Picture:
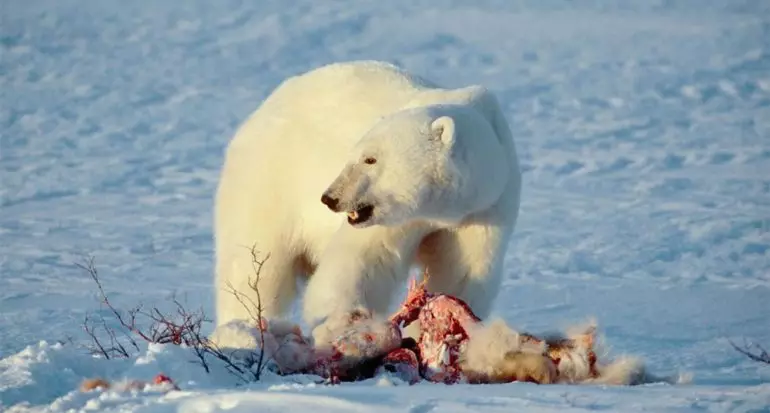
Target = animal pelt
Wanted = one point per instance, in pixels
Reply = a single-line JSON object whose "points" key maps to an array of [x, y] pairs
{"points": [[458, 347], [495, 353]]}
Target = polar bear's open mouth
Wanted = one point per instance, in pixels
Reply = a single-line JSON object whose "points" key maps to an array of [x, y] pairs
{"points": [[361, 214]]}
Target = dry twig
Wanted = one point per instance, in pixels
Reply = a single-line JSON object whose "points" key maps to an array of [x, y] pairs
{"points": [[182, 327], [760, 354]]}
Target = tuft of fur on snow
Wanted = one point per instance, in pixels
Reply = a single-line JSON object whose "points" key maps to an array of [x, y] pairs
{"points": [[497, 353], [622, 371], [575, 364], [631, 371]]}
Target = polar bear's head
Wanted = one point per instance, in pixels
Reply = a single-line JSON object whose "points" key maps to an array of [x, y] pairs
{"points": [[433, 163]]}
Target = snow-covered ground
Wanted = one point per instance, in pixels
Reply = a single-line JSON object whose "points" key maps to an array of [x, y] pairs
{"points": [[643, 128]]}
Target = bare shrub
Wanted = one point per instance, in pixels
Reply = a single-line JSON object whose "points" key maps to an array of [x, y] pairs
{"points": [[179, 327], [752, 351]]}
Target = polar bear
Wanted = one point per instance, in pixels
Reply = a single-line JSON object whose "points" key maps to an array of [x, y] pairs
{"points": [[348, 175]]}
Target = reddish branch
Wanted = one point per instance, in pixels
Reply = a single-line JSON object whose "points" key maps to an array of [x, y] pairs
{"points": [[182, 327], [164, 329]]}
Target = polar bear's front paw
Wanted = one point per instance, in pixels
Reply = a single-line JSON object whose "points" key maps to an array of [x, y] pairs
{"points": [[236, 334], [337, 323]]}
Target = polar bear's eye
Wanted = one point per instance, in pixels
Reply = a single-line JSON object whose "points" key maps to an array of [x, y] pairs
{"points": [[370, 161]]}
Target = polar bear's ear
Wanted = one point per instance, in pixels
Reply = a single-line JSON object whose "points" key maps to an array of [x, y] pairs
{"points": [[443, 130]]}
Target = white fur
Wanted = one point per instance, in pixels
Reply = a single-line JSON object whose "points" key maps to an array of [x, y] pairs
{"points": [[236, 334], [495, 353], [489, 344], [445, 186], [356, 348], [631, 370], [575, 365], [622, 371], [494, 350]]}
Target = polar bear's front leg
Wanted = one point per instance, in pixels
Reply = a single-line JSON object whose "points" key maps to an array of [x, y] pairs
{"points": [[466, 262], [250, 284], [359, 269]]}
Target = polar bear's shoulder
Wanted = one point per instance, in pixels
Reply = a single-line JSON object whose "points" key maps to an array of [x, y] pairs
{"points": [[364, 69], [479, 97], [369, 73]]}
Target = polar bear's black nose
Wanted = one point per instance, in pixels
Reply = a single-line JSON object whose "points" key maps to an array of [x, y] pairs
{"points": [[330, 202]]}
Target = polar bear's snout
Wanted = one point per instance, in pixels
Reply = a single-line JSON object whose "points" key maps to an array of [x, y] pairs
{"points": [[330, 202], [349, 193], [358, 213]]}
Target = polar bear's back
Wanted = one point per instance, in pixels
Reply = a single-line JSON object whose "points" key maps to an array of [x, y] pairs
{"points": [[348, 97], [326, 110]]}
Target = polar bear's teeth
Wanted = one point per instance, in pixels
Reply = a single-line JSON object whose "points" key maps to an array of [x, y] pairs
{"points": [[353, 215]]}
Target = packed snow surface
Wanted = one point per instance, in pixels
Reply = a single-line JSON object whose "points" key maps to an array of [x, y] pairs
{"points": [[643, 129]]}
